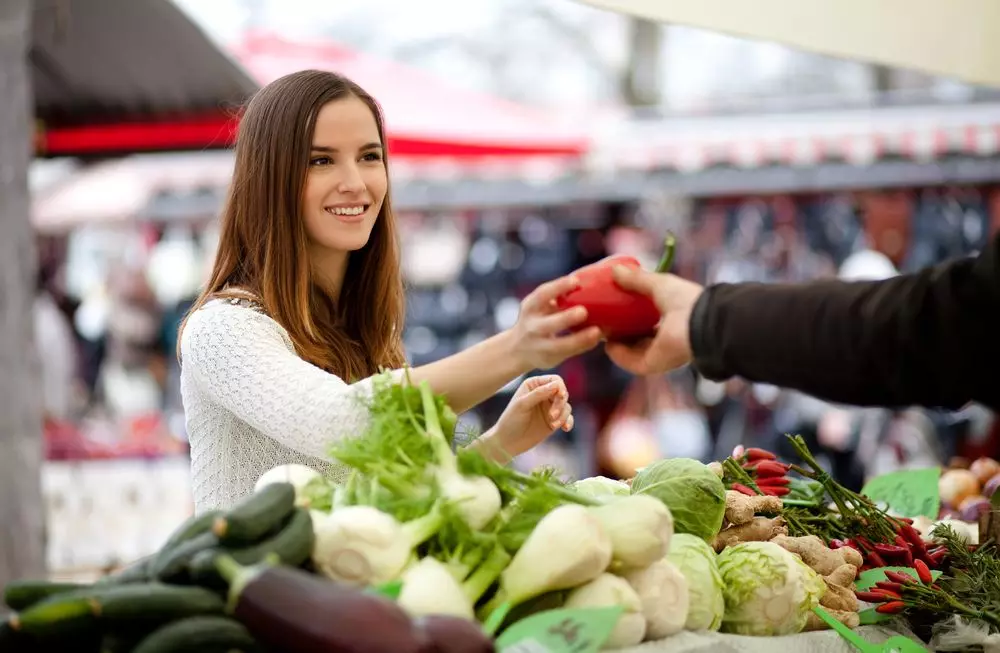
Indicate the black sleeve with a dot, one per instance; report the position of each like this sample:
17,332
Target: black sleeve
930,339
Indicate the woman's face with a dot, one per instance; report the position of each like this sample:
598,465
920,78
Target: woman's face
346,180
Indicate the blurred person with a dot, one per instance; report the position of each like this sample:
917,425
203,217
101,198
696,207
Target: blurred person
927,338
56,348
305,304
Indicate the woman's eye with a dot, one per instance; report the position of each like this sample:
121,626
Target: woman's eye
373,156
319,161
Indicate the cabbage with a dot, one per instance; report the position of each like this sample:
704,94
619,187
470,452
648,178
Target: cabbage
696,560
601,487
768,590
695,495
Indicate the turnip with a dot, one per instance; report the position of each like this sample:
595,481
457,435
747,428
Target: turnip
663,590
640,527
361,545
608,590
567,548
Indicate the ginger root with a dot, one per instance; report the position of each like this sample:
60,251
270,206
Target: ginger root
822,559
849,619
741,509
758,529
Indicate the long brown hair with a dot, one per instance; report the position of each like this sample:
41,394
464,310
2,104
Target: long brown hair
263,241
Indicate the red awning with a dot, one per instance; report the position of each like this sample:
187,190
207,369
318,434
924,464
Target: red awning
424,114
426,117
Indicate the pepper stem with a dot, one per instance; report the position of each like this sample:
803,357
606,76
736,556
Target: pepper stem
669,249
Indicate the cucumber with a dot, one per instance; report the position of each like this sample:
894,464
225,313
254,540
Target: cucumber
193,526
21,594
293,545
256,516
171,565
204,634
105,607
138,572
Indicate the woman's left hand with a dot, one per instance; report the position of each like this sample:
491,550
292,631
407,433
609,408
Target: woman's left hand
539,407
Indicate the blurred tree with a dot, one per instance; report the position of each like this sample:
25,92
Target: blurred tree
22,514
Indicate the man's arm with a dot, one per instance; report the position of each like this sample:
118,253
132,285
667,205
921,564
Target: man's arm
931,338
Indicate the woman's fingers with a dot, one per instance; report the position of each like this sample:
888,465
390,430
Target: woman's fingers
555,323
542,299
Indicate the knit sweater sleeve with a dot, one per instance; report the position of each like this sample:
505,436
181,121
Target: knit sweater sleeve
243,361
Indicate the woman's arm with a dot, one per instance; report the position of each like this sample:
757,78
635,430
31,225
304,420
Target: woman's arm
931,338
476,374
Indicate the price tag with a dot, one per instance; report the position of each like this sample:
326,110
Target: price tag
910,493
561,631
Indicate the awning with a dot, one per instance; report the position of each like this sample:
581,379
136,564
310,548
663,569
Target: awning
429,121
113,77
856,136
954,38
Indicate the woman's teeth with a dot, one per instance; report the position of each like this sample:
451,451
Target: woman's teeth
354,210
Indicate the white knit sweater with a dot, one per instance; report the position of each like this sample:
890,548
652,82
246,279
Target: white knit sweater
251,403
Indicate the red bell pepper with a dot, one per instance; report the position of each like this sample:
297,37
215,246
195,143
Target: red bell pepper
619,313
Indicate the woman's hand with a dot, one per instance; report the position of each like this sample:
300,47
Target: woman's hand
539,407
540,340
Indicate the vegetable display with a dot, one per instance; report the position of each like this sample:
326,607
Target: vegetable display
430,548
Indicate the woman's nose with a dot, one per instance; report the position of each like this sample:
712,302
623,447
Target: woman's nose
350,180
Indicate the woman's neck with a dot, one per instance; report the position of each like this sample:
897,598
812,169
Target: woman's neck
329,269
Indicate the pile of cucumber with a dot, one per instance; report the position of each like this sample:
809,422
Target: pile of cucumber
174,600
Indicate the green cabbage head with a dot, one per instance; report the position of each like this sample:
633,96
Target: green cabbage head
696,560
695,495
768,590
601,487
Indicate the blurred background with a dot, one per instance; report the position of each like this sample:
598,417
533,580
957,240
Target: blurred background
527,138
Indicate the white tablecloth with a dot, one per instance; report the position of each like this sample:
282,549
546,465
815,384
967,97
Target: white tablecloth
824,641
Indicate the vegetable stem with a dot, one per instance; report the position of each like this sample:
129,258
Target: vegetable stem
432,426
486,574
669,249
421,529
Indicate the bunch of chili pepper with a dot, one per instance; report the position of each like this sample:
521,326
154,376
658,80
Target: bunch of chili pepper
769,475
891,594
907,551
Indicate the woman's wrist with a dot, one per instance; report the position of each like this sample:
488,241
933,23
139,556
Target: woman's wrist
490,446
513,351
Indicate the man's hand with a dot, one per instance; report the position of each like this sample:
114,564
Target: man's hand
671,347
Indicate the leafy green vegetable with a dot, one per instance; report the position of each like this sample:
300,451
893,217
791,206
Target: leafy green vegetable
696,560
768,590
695,495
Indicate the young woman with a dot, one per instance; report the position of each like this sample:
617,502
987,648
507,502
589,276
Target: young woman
305,303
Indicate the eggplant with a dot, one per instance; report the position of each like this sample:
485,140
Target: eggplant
293,611
444,634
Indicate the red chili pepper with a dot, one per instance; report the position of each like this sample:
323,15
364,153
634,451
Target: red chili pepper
905,520
753,453
887,593
775,491
899,577
889,585
923,572
620,314
937,587
837,544
937,556
774,480
892,607
890,550
851,543
871,597
875,559
739,487
769,468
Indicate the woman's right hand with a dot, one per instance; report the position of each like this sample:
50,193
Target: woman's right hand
539,335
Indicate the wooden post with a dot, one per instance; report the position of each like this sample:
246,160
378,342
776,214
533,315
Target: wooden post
22,516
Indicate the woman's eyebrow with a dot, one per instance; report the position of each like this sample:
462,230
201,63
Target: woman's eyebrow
333,150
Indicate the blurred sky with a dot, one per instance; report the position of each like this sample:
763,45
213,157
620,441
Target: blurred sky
557,53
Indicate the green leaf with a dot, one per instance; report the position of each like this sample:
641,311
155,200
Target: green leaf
911,492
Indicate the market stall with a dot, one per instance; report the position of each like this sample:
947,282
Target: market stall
441,549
